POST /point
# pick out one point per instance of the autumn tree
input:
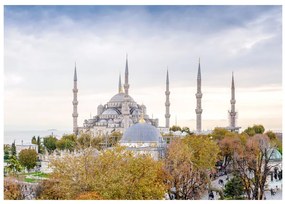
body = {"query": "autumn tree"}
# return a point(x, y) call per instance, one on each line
point(229, 146)
point(253, 165)
point(50, 143)
point(113, 174)
point(28, 158)
point(12, 190)
point(220, 133)
point(187, 162)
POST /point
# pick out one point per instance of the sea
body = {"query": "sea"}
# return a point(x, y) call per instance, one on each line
point(25, 137)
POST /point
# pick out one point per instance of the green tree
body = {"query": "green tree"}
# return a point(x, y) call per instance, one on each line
point(34, 140)
point(255, 129)
point(220, 133)
point(272, 136)
point(13, 149)
point(50, 143)
point(13, 165)
point(28, 158)
point(67, 142)
point(234, 189)
point(7, 150)
point(175, 128)
point(187, 130)
point(40, 147)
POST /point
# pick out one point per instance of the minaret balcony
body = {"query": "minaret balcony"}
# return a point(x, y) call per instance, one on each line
point(167, 92)
point(199, 95)
point(167, 103)
point(167, 115)
point(199, 111)
point(233, 101)
point(74, 114)
point(75, 102)
point(75, 90)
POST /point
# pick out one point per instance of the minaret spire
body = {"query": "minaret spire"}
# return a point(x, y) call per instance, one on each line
point(126, 85)
point(120, 85)
point(75, 102)
point(167, 102)
point(199, 95)
point(233, 113)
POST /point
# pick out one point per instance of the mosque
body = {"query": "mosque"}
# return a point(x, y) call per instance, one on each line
point(140, 132)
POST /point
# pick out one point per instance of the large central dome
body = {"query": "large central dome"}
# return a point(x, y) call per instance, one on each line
point(141, 132)
point(120, 98)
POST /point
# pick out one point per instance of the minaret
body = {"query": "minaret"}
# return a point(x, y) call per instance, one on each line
point(199, 95)
point(126, 85)
point(75, 103)
point(126, 113)
point(167, 103)
point(233, 113)
point(120, 85)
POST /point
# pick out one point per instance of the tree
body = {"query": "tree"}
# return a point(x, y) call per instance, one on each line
point(49, 190)
point(34, 140)
point(187, 130)
point(67, 142)
point(220, 133)
point(40, 147)
point(255, 129)
point(253, 165)
point(272, 136)
point(112, 174)
point(50, 143)
point(28, 158)
point(12, 190)
point(7, 150)
point(187, 163)
point(229, 146)
point(175, 128)
point(234, 188)
point(89, 195)
point(13, 165)
point(204, 151)
point(13, 149)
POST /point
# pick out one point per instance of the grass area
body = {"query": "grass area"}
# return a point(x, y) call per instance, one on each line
point(30, 180)
point(40, 174)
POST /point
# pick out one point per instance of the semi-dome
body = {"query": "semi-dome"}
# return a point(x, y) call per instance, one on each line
point(120, 98)
point(110, 111)
point(141, 132)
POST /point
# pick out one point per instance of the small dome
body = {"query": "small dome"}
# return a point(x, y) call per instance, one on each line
point(274, 154)
point(141, 132)
point(120, 98)
point(100, 106)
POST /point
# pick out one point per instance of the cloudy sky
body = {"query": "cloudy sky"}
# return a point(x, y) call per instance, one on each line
point(42, 44)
